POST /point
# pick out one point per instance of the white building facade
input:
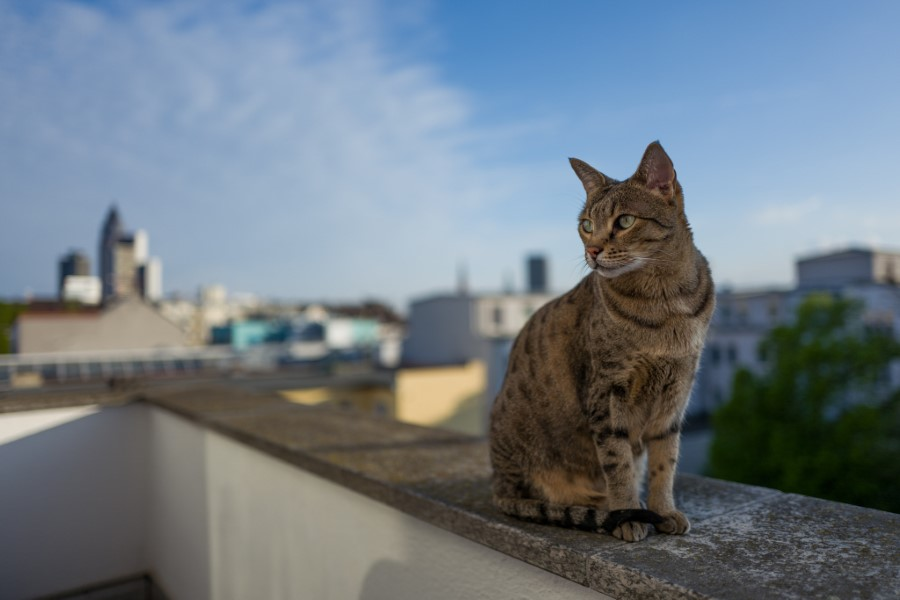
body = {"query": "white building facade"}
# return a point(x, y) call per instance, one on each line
point(743, 319)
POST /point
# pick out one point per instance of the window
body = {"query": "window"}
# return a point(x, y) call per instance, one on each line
point(773, 309)
point(715, 354)
point(732, 354)
point(726, 313)
point(498, 315)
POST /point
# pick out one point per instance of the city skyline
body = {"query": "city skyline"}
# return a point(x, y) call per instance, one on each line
point(364, 149)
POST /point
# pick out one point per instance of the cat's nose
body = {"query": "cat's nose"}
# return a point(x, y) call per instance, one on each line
point(594, 251)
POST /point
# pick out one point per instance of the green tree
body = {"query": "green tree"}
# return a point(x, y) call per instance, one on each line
point(8, 313)
point(820, 420)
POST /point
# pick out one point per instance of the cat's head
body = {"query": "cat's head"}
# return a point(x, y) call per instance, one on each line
point(626, 225)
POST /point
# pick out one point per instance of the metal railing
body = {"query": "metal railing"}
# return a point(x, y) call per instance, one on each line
point(92, 365)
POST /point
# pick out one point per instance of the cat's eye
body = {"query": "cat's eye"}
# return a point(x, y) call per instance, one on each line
point(626, 221)
point(587, 225)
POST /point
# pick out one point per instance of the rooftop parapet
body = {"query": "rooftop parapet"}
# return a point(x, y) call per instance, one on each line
point(745, 541)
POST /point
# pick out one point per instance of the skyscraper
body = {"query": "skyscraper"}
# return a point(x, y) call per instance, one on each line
point(109, 239)
point(125, 267)
point(150, 279)
point(537, 274)
point(75, 262)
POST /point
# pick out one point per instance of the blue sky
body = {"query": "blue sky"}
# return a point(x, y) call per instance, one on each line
point(348, 149)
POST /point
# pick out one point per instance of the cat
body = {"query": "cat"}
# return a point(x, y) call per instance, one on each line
point(604, 372)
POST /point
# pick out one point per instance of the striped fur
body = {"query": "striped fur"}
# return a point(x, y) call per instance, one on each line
point(598, 379)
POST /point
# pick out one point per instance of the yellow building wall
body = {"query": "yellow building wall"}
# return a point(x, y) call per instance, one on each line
point(450, 397)
point(377, 400)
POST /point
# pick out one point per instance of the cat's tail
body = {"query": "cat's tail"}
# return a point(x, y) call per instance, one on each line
point(579, 517)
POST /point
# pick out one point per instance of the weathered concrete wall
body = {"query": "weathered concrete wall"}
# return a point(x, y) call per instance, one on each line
point(94, 495)
point(73, 492)
point(177, 523)
point(280, 532)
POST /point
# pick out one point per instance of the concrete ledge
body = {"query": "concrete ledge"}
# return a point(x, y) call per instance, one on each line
point(746, 542)
point(18, 401)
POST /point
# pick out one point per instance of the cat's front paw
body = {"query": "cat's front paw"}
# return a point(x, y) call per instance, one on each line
point(674, 522)
point(631, 531)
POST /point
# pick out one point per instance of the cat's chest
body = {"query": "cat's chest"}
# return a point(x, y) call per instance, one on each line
point(657, 336)
point(650, 384)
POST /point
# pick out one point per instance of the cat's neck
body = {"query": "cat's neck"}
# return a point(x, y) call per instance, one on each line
point(660, 279)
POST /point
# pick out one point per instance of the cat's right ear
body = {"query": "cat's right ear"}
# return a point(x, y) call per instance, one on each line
point(591, 178)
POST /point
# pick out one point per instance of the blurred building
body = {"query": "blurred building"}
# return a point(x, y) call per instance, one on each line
point(76, 284)
point(150, 279)
point(212, 308)
point(127, 324)
point(109, 238)
point(743, 319)
point(449, 397)
point(455, 329)
point(343, 334)
point(84, 289)
point(75, 263)
point(126, 269)
point(242, 335)
point(852, 267)
point(454, 357)
point(538, 282)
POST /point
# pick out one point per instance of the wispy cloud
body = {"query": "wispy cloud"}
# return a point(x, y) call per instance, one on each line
point(787, 213)
point(279, 143)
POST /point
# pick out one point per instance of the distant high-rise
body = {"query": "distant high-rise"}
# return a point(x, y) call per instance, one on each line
point(150, 279)
point(125, 266)
point(141, 246)
point(109, 239)
point(537, 274)
point(75, 263)
point(462, 279)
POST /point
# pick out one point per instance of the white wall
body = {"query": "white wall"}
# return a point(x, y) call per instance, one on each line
point(177, 532)
point(513, 311)
point(441, 331)
point(72, 498)
point(91, 495)
point(279, 532)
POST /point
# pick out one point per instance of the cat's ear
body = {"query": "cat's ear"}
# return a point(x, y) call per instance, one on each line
point(591, 178)
point(657, 172)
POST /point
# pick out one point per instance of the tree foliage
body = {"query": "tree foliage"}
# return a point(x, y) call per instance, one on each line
point(820, 420)
point(8, 313)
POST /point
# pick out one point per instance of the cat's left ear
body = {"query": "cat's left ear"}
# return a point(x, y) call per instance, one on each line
point(591, 178)
point(657, 172)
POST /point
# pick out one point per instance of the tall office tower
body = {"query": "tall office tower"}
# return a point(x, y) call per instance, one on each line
point(125, 268)
point(537, 274)
point(141, 246)
point(74, 263)
point(109, 239)
point(150, 279)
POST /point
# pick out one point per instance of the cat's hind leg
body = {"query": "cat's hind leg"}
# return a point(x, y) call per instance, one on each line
point(559, 486)
point(588, 518)
point(569, 501)
point(554, 498)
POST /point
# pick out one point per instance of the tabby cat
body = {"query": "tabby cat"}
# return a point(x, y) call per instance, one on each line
point(604, 372)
